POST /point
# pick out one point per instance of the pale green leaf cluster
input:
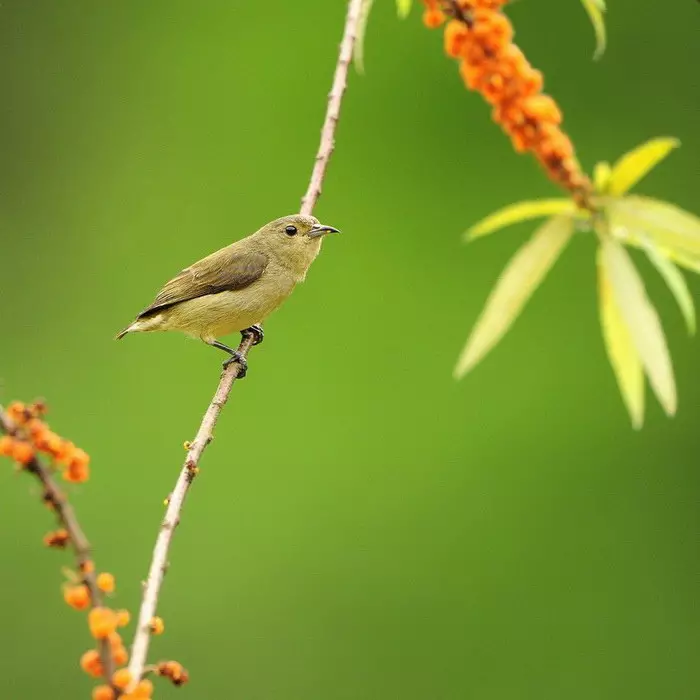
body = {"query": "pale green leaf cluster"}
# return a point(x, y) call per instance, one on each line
point(633, 335)
point(595, 10)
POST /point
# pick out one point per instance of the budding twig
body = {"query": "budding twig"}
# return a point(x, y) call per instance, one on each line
point(65, 514)
point(204, 435)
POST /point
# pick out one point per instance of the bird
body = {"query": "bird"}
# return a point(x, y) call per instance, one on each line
point(237, 287)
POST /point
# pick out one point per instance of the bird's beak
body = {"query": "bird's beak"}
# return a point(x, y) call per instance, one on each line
point(320, 230)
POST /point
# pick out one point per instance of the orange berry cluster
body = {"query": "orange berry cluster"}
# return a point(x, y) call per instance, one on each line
point(481, 37)
point(103, 623)
point(173, 671)
point(33, 436)
point(121, 679)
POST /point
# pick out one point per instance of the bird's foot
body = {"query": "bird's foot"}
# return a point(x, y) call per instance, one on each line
point(256, 331)
point(237, 358)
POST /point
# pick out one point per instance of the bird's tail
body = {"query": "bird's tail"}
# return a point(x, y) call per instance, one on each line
point(121, 334)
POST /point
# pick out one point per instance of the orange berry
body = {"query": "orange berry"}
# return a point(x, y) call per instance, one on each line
point(456, 33)
point(22, 452)
point(88, 566)
point(58, 539)
point(120, 655)
point(91, 664)
point(17, 412)
point(80, 459)
point(7, 445)
point(102, 692)
point(64, 452)
point(121, 678)
point(156, 625)
point(35, 427)
point(433, 18)
point(102, 622)
point(77, 475)
point(105, 582)
point(144, 690)
point(77, 597)
point(123, 618)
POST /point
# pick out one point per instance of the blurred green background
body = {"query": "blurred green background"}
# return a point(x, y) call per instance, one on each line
point(363, 527)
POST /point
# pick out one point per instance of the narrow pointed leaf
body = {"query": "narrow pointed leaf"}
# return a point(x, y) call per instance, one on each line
point(620, 347)
point(595, 10)
point(517, 282)
point(403, 7)
point(642, 321)
point(601, 176)
point(522, 211)
point(635, 164)
point(359, 51)
point(669, 226)
point(676, 283)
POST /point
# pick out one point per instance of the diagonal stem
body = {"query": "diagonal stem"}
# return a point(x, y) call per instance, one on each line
point(204, 435)
point(65, 514)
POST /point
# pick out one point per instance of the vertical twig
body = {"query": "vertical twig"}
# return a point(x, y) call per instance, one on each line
point(204, 435)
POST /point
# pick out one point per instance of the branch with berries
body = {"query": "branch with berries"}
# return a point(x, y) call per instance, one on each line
point(479, 35)
point(27, 437)
point(37, 450)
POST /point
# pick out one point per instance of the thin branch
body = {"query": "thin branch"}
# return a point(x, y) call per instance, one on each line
point(204, 435)
point(65, 514)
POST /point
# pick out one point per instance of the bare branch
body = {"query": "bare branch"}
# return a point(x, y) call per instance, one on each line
point(204, 435)
point(65, 514)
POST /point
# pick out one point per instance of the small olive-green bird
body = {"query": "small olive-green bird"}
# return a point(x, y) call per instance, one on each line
point(238, 287)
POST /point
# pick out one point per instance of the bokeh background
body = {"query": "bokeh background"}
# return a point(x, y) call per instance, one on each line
point(363, 527)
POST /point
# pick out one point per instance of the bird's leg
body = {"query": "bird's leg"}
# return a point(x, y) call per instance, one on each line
point(256, 331)
point(235, 357)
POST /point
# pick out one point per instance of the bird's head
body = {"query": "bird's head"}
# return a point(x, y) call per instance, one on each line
point(296, 229)
point(297, 238)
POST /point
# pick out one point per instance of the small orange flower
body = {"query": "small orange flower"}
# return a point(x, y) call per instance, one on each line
point(121, 678)
point(105, 582)
point(58, 539)
point(91, 664)
point(102, 622)
point(103, 692)
point(77, 597)
point(156, 625)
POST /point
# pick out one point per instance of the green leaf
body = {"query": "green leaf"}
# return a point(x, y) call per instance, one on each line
point(595, 10)
point(403, 7)
point(522, 211)
point(641, 320)
point(675, 282)
point(622, 353)
point(635, 164)
point(359, 51)
point(601, 176)
point(517, 282)
point(670, 227)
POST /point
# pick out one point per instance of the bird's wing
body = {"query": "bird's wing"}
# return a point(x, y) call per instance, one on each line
point(226, 270)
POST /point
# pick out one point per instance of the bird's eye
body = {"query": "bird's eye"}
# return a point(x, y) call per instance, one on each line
point(291, 230)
